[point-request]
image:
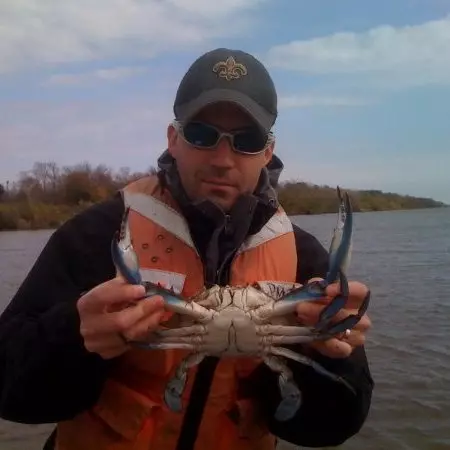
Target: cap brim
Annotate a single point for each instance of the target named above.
(264, 119)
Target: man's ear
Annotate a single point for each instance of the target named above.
(172, 137)
(269, 152)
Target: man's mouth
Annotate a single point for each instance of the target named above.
(218, 182)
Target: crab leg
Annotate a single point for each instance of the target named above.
(276, 335)
(176, 304)
(183, 331)
(282, 330)
(291, 397)
(302, 359)
(162, 345)
(175, 387)
(181, 340)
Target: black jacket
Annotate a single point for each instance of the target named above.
(46, 374)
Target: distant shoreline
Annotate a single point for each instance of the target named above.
(25, 225)
(47, 196)
(363, 211)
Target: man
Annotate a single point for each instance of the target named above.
(64, 339)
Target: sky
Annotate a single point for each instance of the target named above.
(363, 86)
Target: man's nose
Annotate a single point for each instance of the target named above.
(223, 155)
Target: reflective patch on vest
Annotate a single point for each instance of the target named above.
(170, 280)
(278, 225)
(276, 289)
(160, 213)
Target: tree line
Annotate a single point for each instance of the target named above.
(48, 195)
(307, 198)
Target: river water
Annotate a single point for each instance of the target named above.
(404, 256)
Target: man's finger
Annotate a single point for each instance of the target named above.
(357, 291)
(355, 338)
(311, 310)
(120, 321)
(313, 279)
(308, 314)
(364, 322)
(106, 343)
(141, 329)
(333, 348)
(110, 293)
(340, 347)
(129, 317)
(357, 294)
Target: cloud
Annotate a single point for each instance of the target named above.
(113, 74)
(118, 132)
(306, 101)
(38, 33)
(403, 56)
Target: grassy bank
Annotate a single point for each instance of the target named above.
(34, 216)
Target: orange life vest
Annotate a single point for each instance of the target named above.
(130, 413)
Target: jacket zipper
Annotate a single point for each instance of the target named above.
(226, 227)
(219, 271)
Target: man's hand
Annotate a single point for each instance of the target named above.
(114, 312)
(341, 346)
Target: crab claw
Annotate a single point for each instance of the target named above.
(345, 324)
(123, 255)
(335, 305)
(174, 391)
(341, 242)
(126, 262)
(338, 261)
(177, 304)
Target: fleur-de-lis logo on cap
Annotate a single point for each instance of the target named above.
(230, 69)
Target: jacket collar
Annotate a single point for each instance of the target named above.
(263, 203)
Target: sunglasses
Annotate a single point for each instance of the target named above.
(250, 141)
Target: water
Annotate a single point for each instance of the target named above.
(404, 257)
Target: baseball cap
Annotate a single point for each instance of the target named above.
(226, 75)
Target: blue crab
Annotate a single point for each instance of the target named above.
(249, 321)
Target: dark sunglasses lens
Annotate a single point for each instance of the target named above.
(252, 141)
(200, 134)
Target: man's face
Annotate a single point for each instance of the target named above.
(218, 174)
